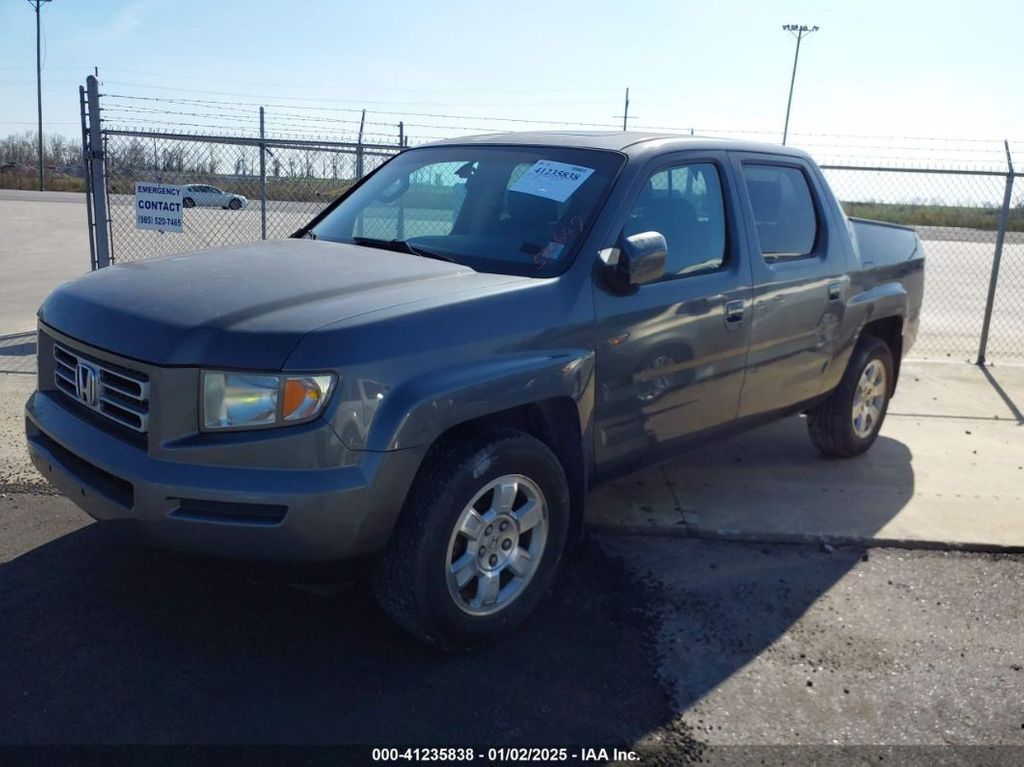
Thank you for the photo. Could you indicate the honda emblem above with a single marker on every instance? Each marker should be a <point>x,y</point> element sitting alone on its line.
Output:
<point>86,381</point>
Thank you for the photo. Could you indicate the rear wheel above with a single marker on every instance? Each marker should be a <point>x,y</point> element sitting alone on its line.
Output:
<point>188,202</point>
<point>847,423</point>
<point>479,541</point>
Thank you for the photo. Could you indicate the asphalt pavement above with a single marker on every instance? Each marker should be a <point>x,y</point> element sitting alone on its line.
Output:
<point>679,644</point>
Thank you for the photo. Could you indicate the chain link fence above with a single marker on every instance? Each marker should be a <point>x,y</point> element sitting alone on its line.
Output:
<point>242,189</point>
<point>227,198</point>
<point>957,215</point>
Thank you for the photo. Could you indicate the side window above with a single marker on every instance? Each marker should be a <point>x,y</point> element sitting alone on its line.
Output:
<point>427,205</point>
<point>685,205</point>
<point>787,225</point>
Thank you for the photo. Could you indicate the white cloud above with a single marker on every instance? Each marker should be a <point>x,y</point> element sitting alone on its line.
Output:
<point>127,19</point>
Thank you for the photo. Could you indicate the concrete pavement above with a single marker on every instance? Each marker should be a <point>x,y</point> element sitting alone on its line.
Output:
<point>44,243</point>
<point>947,472</point>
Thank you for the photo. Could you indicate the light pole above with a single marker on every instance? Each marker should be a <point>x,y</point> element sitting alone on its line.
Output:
<point>799,31</point>
<point>39,88</point>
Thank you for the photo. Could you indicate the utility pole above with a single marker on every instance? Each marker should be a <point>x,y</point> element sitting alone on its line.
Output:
<point>799,31</point>
<point>625,113</point>
<point>39,88</point>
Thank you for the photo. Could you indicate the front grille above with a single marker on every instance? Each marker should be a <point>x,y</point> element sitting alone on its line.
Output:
<point>115,392</point>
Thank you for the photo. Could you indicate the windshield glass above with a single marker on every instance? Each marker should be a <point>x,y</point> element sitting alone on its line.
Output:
<point>503,209</point>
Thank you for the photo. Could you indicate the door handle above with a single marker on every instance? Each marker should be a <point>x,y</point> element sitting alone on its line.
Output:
<point>835,291</point>
<point>733,313</point>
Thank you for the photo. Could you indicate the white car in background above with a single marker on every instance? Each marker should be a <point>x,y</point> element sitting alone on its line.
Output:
<point>206,196</point>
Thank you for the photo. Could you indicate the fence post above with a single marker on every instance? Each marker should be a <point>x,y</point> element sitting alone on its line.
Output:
<point>997,257</point>
<point>86,170</point>
<point>263,179</point>
<point>359,148</point>
<point>97,181</point>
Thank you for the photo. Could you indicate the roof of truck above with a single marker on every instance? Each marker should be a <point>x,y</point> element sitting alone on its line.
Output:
<point>618,141</point>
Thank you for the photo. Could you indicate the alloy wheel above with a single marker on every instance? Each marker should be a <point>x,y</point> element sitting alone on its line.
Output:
<point>496,545</point>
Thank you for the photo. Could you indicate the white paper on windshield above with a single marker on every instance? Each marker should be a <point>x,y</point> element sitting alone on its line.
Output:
<point>553,180</point>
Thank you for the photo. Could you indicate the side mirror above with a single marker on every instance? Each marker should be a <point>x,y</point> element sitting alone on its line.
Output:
<point>639,261</point>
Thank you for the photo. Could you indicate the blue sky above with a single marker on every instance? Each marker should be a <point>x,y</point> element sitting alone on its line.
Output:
<point>931,68</point>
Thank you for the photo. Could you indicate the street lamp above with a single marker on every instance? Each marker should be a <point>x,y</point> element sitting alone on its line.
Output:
<point>799,31</point>
<point>39,88</point>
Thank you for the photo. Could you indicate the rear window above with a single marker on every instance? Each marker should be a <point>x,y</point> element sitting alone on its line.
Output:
<point>784,213</point>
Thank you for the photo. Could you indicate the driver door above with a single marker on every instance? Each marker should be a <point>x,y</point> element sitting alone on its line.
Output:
<point>671,355</point>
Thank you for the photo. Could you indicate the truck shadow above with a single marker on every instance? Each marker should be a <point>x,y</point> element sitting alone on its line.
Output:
<point>107,642</point>
<point>18,353</point>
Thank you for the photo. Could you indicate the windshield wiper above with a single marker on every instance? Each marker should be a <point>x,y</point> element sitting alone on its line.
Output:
<point>401,246</point>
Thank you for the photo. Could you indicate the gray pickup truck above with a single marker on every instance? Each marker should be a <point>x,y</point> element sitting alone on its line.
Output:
<point>426,379</point>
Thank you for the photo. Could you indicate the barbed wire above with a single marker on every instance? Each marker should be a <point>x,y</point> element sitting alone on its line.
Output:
<point>559,102</point>
<point>231,106</point>
<point>325,122</point>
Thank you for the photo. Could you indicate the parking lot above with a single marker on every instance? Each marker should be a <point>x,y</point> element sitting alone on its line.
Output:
<point>773,597</point>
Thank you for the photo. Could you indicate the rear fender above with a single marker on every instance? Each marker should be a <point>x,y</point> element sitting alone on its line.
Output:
<point>890,299</point>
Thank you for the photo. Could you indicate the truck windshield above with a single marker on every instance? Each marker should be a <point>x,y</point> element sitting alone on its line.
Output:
<point>503,209</point>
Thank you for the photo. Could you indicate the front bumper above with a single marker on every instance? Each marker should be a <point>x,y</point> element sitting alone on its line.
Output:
<point>286,516</point>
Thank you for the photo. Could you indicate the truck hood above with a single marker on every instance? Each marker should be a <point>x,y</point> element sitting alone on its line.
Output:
<point>245,306</point>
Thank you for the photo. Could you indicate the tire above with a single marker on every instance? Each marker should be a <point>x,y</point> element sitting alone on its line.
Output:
<point>847,424</point>
<point>415,582</point>
<point>188,202</point>
<point>235,204</point>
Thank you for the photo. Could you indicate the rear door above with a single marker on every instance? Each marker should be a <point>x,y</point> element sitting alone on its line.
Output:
<point>670,356</point>
<point>800,282</point>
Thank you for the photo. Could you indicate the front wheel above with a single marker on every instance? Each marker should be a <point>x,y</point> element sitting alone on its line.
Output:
<point>188,202</point>
<point>847,423</point>
<point>480,539</point>
<point>235,204</point>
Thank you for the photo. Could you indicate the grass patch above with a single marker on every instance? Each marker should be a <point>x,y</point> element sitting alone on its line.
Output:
<point>51,183</point>
<point>936,215</point>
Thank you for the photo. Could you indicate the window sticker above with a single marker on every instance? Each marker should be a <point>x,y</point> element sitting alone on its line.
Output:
<point>552,180</point>
<point>551,252</point>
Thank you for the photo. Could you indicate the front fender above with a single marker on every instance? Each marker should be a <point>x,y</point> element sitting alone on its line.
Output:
<point>417,411</point>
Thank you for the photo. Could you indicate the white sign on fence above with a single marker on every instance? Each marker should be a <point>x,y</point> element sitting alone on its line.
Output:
<point>157,206</point>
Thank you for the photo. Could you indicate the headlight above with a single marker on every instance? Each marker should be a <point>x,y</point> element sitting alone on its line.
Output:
<point>252,400</point>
